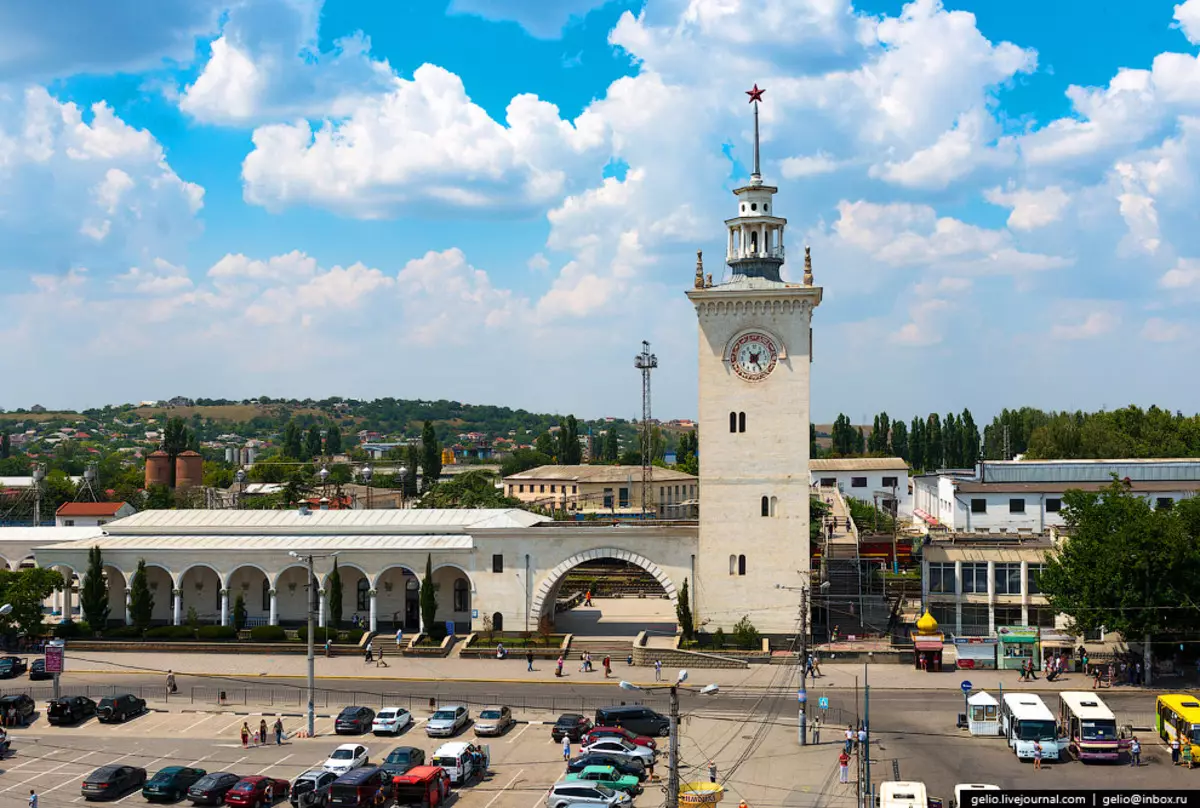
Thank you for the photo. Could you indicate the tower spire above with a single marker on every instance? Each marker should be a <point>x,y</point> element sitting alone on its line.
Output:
<point>755,99</point>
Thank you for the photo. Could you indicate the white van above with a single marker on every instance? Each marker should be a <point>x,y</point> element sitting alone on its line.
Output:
<point>462,760</point>
<point>962,788</point>
<point>903,794</point>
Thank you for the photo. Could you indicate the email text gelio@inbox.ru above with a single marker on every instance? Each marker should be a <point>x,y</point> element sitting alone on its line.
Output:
<point>1080,799</point>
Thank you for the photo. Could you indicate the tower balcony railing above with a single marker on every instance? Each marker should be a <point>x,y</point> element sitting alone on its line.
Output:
<point>770,252</point>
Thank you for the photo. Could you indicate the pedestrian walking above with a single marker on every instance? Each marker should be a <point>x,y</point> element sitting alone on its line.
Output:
<point>862,740</point>
<point>1175,751</point>
<point>1185,754</point>
<point>379,663</point>
<point>171,688</point>
<point>262,730</point>
<point>566,748</point>
<point>269,792</point>
<point>370,653</point>
<point>33,799</point>
<point>844,767</point>
<point>529,661</point>
<point>278,731</point>
<point>849,738</point>
<point>658,670</point>
<point>327,646</point>
<point>587,599</point>
<point>712,772</point>
<point>1037,756</point>
<point>245,735</point>
<point>816,658</point>
<point>1135,752</point>
<point>816,730</point>
<point>607,666</point>
<point>558,666</point>
<point>399,637</point>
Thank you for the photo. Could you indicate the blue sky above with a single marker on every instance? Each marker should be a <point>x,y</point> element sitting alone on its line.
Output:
<point>496,200</point>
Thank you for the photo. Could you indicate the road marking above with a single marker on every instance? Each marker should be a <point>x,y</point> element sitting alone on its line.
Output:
<point>36,776</point>
<point>239,720</point>
<point>506,788</point>
<point>70,780</point>
<point>518,734</point>
<point>208,717</point>
<point>31,760</point>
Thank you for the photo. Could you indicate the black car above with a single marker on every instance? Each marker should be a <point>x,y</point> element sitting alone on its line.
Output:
<point>401,759</point>
<point>622,765</point>
<point>111,782</point>
<point>70,709</point>
<point>114,709</point>
<point>171,783</point>
<point>37,670</point>
<point>211,788</point>
<point>11,666</point>
<point>354,721</point>
<point>23,704</point>
<point>571,725</point>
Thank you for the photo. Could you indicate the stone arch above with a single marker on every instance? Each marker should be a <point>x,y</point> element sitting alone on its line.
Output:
<point>345,565</point>
<point>277,578</point>
<point>377,580</point>
<point>223,578</point>
<point>546,587</point>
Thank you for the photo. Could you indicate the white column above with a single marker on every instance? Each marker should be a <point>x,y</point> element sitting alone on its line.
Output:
<point>781,237</point>
<point>729,248</point>
<point>274,617</point>
<point>321,608</point>
<point>991,573</point>
<point>958,597</point>
<point>224,607</point>
<point>374,622</point>
<point>762,239</point>
<point>1024,593</point>
<point>177,616</point>
<point>742,244</point>
<point>67,608</point>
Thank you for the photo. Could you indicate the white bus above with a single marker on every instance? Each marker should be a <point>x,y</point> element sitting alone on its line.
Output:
<point>1090,727</point>
<point>902,794</point>
<point>1026,721</point>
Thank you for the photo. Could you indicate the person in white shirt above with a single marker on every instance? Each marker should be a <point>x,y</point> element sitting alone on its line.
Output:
<point>399,637</point>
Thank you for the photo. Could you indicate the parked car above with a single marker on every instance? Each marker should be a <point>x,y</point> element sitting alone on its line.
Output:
<point>11,666</point>
<point>110,782</point>
<point>357,788</point>
<point>619,747</point>
<point>597,733</point>
<point>572,725</point>
<point>37,670</point>
<point>24,706</point>
<point>421,785</point>
<point>623,765</point>
<point>346,757</point>
<point>70,709</point>
<point>635,718</point>
<point>354,720</point>
<point>401,759</point>
<point>171,783</point>
<point>609,777</point>
<point>494,721</point>
<point>390,721</point>
<point>251,792</point>
<point>114,709</point>
<point>447,721</point>
<point>311,789</point>
<point>462,760</point>
<point>564,794</point>
<point>212,788</point>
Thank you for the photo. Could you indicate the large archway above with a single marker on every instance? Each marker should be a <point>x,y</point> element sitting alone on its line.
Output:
<point>161,586</point>
<point>117,583</point>
<point>455,597</point>
<point>398,590</point>
<point>253,585</point>
<point>200,589</point>
<point>631,593</point>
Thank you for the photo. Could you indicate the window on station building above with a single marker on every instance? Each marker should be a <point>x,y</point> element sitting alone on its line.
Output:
<point>765,506</point>
<point>266,596</point>
<point>890,482</point>
<point>858,482</point>
<point>1016,506</point>
<point>608,498</point>
<point>741,422</point>
<point>623,497</point>
<point>1053,505</point>
<point>462,592</point>
<point>1164,504</point>
<point>497,562</point>
<point>733,565</point>
<point>979,505</point>
<point>1008,580</point>
<point>975,577</point>
<point>741,565</point>
<point>829,482</point>
<point>362,601</point>
<point>733,422</point>
<point>941,578</point>
<point>1034,583</point>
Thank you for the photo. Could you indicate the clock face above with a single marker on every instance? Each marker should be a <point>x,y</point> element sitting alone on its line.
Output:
<point>753,356</point>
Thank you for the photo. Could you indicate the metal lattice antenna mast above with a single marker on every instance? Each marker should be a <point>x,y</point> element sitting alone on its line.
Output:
<point>86,492</point>
<point>645,362</point>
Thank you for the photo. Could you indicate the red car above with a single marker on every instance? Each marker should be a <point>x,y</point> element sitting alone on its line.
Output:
<point>597,733</point>
<point>251,792</point>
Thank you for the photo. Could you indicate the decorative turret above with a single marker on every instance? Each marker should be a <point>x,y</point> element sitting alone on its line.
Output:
<point>927,625</point>
<point>755,243</point>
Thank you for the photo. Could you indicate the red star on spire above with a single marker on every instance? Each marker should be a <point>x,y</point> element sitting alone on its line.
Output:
<point>755,94</point>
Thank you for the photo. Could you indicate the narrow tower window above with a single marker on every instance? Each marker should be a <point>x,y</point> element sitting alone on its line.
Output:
<point>733,565</point>
<point>741,422</point>
<point>741,565</point>
<point>733,422</point>
<point>774,504</point>
<point>766,506</point>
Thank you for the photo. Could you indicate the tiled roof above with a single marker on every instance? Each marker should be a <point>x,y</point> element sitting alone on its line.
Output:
<point>859,464</point>
<point>89,508</point>
<point>598,474</point>
<point>275,543</point>
<point>317,522</point>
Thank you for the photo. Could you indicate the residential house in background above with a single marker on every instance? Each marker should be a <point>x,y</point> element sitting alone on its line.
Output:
<point>876,480</point>
<point>91,514</point>
<point>612,491</point>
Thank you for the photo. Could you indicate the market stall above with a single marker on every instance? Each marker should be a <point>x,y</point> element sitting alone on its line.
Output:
<point>927,644</point>
<point>1018,645</point>
<point>1055,643</point>
<point>983,714</point>
<point>975,653</point>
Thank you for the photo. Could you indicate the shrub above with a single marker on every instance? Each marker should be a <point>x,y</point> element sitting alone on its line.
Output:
<point>353,635</point>
<point>124,633</point>
<point>217,633</point>
<point>319,634</point>
<point>72,629</point>
<point>170,633</point>
<point>718,638</point>
<point>268,634</point>
<point>746,635</point>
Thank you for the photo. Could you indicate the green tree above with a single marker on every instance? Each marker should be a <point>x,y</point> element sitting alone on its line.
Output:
<point>812,440</point>
<point>240,613</point>
<point>544,444</point>
<point>431,456</point>
<point>522,460</point>
<point>1125,566</point>
<point>411,479</point>
<point>333,440</point>
<point>26,590</point>
<point>970,440</point>
<point>270,470</point>
<point>334,592</point>
<point>312,443</point>
<point>746,635</point>
<point>570,453</point>
<point>429,601</point>
<point>473,489</point>
<point>612,445</point>
<point>293,442</point>
<point>141,602</point>
<point>900,440</point>
<point>5,446</point>
<point>687,453</point>
<point>952,442</point>
<point>935,453</point>
<point>683,613</point>
<point>93,597</point>
<point>176,440</point>
<point>916,444</point>
<point>862,442</point>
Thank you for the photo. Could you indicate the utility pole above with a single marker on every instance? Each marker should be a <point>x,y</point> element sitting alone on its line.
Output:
<point>866,751</point>
<point>802,695</point>
<point>312,598</point>
<point>673,753</point>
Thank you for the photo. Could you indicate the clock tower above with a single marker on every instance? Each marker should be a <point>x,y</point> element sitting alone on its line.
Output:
<point>755,351</point>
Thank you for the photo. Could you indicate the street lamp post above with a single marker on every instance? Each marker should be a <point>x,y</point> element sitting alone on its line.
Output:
<point>312,598</point>
<point>673,746</point>
<point>802,660</point>
<point>403,474</point>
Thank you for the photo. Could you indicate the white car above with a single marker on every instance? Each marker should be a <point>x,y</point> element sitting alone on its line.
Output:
<point>620,748</point>
<point>390,721</point>
<point>346,757</point>
<point>568,794</point>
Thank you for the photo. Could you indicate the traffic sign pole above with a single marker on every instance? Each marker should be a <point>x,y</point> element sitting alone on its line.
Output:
<point>966,689</point>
